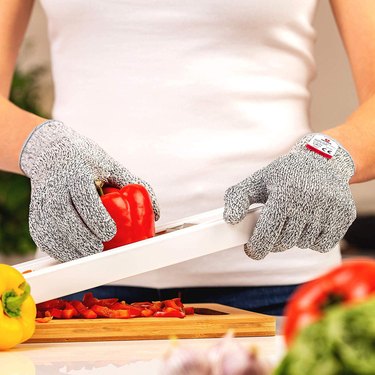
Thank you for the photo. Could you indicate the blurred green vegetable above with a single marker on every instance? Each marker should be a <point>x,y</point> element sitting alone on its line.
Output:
<point>341,343</point>
<point>15,189</point>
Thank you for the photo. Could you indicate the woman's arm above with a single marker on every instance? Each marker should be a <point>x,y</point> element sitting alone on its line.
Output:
<point>356,22</point>
<point>15,124</point>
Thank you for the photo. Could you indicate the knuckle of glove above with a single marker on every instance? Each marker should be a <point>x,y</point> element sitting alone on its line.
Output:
<point>323,247</point>
<point>255,252</point>
<point>236,203</point>
<point>283,244</point>
<point>307,241</point>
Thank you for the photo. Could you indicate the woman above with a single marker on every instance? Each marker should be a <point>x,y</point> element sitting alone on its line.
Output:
<point>193,97</point>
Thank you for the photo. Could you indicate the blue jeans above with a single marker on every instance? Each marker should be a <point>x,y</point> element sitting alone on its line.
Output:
<point>264,299</point>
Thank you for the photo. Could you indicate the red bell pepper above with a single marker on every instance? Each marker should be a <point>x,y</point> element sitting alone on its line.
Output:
<point>352,282</point>
<point>131,209</point>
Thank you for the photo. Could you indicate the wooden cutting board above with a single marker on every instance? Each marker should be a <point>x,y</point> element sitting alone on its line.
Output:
<point>243,323</point>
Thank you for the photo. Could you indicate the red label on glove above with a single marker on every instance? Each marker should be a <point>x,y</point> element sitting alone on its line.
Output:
<point>323,146</point>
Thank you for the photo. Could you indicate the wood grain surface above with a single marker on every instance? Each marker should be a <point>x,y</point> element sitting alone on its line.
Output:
<point>243,323</point>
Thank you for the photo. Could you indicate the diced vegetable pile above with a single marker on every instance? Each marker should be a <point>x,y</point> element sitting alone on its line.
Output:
<point>92,308</point>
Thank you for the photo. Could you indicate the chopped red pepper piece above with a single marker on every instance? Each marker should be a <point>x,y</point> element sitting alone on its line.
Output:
<point>125,314</point>
<point>189,310</point>
<point>156,306</point>
<point>106,312</point>
<point>107,301</point>
<point>102,311</point>
<point>147,312</point>
<point>169,312</point>
<point>83,310</point>
<point>143,305</point>
<point>89,300</point>
<point>121,306</point>
<point>46,319</point>
<point>56,313</point>
<point>122,314</point>
<point>174,303</point>
<point>70,307</point>
<point>53,303</point>
<point>67,314</point>
<point>133,310</point>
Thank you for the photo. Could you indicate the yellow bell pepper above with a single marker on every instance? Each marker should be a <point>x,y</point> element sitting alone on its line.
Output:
<point>17,308</point>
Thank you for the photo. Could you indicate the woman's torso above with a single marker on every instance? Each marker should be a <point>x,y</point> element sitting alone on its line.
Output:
<point>192,96</point>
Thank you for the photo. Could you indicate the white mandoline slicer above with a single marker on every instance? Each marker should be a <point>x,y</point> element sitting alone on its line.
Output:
<point>175,242</point>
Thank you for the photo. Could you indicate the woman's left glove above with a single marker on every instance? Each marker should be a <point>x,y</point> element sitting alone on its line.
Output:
<point>307,198</point>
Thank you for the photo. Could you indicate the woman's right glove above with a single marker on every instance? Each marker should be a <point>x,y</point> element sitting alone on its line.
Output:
<point>67,219</point>
<point>306,196</point>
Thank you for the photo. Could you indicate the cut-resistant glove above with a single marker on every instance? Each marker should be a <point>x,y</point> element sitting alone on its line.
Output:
<point>67,219</point>
<point>306,196</point>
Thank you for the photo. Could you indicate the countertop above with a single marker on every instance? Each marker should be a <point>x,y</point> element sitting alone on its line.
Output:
<point>113,357</point>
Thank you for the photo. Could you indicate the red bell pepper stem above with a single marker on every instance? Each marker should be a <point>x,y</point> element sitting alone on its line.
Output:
<point>99,187</point>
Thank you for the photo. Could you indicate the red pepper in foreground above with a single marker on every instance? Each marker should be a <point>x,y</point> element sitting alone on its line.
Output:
<point>91,308</point>
<point>352,282</point>
<point>131,209</point>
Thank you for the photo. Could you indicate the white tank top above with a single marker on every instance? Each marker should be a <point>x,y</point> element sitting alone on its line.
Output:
<point>192,96</point>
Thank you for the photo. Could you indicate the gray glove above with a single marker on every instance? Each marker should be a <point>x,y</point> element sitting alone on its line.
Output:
<point>307,198</point>
<point>67,219</point>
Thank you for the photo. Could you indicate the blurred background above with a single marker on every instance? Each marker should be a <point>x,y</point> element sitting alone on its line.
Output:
<point>333,99</point>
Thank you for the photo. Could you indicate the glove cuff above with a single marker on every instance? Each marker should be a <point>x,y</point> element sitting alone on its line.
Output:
<point>327,150</point>
<point>37,141</point>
